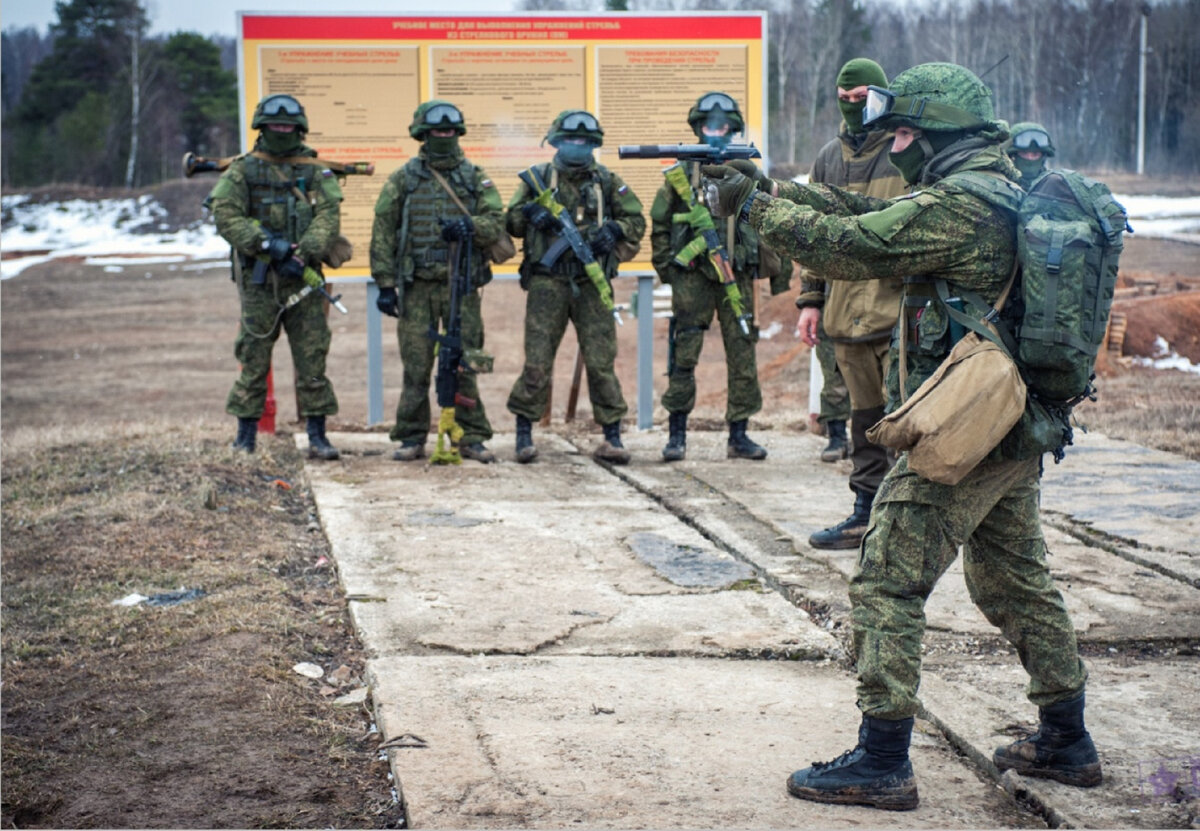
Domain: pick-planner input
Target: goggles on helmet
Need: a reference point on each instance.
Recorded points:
(716, 101)
(443, 114)
(882, 103)
(576, 122)
(1031, 140)
(281, 105)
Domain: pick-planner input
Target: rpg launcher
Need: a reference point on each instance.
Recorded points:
(569, 232)
(193, 164)
(703, 153)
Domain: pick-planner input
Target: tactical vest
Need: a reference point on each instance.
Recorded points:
(589, 202)
(281, 195)
(426, 204)
(744, 250)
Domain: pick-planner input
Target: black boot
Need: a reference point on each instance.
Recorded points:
(741, 446)
(849, 532)
(1062, 749)
(526, 452)
(612, 450)
(838, 447)
(877, 772)
(247, 430)
(676, 447)
(319, 446)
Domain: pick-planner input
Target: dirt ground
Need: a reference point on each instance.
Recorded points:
(117, 478)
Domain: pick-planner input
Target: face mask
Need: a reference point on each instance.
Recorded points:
(441, 146)
(575, 155)
(910, 162)
(852, 114)
(720, 142)
(1030, 169)
(280, 144)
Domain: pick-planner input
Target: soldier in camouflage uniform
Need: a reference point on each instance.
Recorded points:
(1029, 146)
(609, 217)
(416, 219)
(697, 292)
(279, 212)
(956, 230)
(858, 317)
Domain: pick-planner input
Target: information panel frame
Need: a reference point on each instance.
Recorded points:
(360, 76)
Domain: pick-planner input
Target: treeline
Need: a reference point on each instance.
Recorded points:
(97, 102)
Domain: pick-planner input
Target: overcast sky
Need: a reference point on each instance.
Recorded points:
(219, 17)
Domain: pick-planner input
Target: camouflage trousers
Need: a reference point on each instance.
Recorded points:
(549, 304)
(835, 397)
(427, 304)
(308, 336)
(914, 535)
(695, 296)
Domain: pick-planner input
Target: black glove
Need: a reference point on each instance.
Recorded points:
(726, 189)
(457, 230)
(291, 267)
(606, 238)
(752, 171)
(388, 302)
(539, 217)
(276, 247)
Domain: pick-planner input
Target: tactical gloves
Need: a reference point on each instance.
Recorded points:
(606, 238)
(388, 302)
(458, 230)
(290, 267)
(726, 189)
(752, 171)
(539, 216)
(276, 247)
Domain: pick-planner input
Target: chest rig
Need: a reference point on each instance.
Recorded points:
(282, 195)
(426, 205)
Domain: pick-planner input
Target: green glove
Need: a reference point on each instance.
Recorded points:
(698, 217)
(751, 170)
(725, 189)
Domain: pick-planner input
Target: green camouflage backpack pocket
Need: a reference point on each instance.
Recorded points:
(1069, 239)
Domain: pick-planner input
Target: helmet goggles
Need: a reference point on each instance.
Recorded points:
(580, 122)
(716, 101)
(885, 104)
(443, 114)
(277, 105)
(1031, 140)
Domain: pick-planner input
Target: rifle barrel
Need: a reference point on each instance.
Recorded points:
(688, 152)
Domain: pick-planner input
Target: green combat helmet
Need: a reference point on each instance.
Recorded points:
(279, 109)
(1029, 135)
(575, 124)
(436, 113)
(932, 97)
(714, 109)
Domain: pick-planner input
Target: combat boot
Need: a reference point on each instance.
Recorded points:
(319, 446)
(877, 772)
(526, 452)
(838, 448)
(247, 430)
(676, 447)
(1062, 748)
(612, 450)
(409, 451)
(741, 446)
(849, 532)
(476, 450)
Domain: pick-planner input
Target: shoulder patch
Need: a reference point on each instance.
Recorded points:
(326, 172)
(624, 189)
(888, 222)
(486, 183)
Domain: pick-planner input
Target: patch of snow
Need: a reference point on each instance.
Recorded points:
(1167, 358)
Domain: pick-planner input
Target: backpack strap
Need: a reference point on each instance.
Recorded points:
(989, 325)
(446, 187)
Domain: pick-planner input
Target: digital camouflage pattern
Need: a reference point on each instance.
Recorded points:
(696, 294)
(302, 202)
(947, 84)
(916, 525)
(564, 292)
(408, 252)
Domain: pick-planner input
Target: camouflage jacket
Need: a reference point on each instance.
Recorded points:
(940, 232)
(413, 192)
(256, 196)
(861, 311)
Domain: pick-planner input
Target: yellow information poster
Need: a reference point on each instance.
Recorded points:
(360, 77)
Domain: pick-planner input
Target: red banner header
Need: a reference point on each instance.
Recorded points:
(612, 27)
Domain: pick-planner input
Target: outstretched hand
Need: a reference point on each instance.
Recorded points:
(726, 189)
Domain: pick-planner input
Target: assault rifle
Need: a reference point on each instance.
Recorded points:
(707, 240)
(574, 240)
(193, 164)
(703, 153)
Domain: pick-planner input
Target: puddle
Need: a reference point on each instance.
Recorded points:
(443, 518)
(687, 565)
